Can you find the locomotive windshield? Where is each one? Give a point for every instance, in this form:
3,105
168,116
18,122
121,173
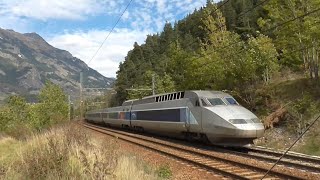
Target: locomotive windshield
216,101
231,101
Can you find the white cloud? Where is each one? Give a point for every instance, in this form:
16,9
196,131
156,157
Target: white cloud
125,15
55,9
84,44
17,24
161,11
141,18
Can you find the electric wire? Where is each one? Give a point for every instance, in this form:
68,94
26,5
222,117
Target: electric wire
251,9
291,146
243,13
223,4
109,32
218,7
293,19
269,29
243,49
280,25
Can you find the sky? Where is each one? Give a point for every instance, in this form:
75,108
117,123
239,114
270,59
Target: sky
80,26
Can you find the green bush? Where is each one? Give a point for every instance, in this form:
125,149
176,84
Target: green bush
19,119
301,112
164,171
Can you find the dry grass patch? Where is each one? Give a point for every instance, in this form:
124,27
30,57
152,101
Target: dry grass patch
133,168
69,153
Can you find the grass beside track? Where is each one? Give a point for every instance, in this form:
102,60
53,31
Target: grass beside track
69,153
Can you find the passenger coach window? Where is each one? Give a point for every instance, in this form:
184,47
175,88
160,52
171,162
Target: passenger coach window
216,101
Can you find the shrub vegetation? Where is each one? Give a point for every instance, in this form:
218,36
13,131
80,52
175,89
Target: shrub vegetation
66,152
19,119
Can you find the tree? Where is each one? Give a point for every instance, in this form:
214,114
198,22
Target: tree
162,85
264,56
53,105
298,39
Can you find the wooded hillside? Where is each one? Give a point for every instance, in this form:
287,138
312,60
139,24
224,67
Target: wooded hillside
235,45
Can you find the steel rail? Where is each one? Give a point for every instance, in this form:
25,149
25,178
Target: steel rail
291,156
271,157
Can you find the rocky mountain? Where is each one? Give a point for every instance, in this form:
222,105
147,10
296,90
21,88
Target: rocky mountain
27,61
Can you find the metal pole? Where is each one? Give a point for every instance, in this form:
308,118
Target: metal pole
153,92
69,114
81,99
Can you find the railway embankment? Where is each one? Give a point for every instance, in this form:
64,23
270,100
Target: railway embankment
220,162
67,152
287,108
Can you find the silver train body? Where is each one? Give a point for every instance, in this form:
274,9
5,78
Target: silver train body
211,115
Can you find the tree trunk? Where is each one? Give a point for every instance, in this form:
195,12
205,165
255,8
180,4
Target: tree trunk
305,63
316,65
309,63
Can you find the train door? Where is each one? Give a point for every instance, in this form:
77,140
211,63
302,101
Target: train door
195,116
130,115
187,116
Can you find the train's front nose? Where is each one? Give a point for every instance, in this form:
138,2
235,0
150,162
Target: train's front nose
249,129
246,124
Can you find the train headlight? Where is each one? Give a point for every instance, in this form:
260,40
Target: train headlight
237,121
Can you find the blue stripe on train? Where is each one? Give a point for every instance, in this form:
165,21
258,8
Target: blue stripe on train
166,115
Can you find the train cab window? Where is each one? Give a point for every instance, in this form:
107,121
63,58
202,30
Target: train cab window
216,101
204,103
231,101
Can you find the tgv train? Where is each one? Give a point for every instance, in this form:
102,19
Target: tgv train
207,115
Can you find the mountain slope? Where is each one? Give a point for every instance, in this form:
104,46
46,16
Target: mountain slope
27,61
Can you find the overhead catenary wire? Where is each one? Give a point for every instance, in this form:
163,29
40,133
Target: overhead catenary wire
291,146
272,28
242,14
218,7
251,9
243,49
279,25
110,32
293,19
223,4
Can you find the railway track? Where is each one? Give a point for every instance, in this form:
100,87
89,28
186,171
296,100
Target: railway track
301,162
224,166
292,159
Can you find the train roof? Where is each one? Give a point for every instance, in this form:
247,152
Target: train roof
175,96
210,93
